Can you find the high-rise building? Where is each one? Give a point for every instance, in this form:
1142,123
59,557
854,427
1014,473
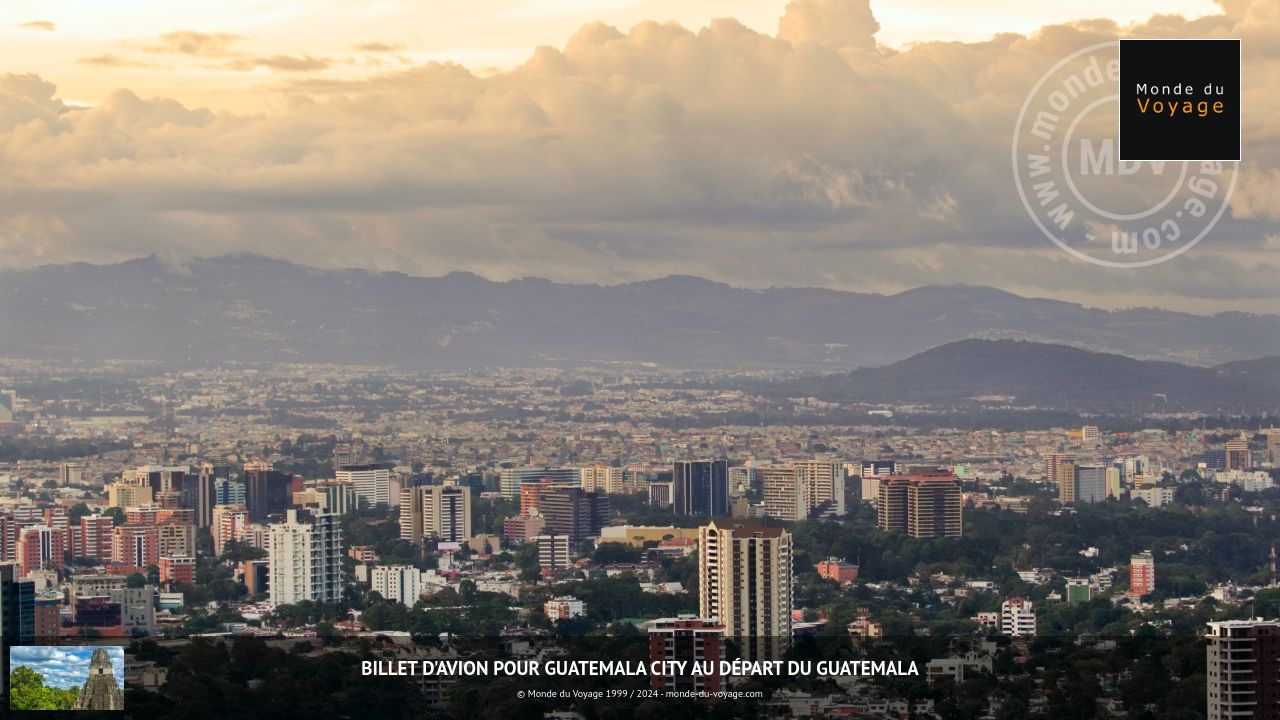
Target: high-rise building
442,512
206,495
160,478
601,478
267,491
925,504
1018,617
744,584
398,583
1242,672
178,569
175,539
661,494
329,496
40,546
785,494
305,557
1273,445
554,553
1091,483
1113,482
573,512
1238,454
1142,574
123,494
17,607
510,480
701,487
1090,435
802,490
371,482
135,546
1060,472
689,640
869,475
70,474
17,616
230,522
95,537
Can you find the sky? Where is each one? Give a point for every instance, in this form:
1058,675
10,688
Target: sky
64,667
836,143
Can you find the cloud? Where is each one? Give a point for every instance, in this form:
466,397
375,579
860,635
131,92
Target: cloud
108,60
44,25
832,23
379,47
283,63
188,42
809,157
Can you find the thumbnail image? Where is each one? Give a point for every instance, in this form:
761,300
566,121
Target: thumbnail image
66,678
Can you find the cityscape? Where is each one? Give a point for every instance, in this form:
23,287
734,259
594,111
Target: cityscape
635,359
302,504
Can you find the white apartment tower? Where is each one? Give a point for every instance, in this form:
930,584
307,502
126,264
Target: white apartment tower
305,559
744,584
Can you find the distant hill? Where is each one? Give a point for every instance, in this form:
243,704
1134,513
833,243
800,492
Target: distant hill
976,372
247,307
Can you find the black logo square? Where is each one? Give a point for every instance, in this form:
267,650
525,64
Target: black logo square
1179,99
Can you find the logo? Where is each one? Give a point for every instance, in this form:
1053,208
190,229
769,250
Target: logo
1082,196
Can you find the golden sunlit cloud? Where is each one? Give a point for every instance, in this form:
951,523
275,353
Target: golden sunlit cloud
804,153
44,25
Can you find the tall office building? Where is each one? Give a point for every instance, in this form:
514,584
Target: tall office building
744,584
1091,483
17,617
70,474
686,639
1142,574
329,496
17,607
1238,454
1242,672
510,480
701,487
162,479
1273,445
267,491
1060,472
305,559
442,512
371,481
398,583
601,479
573,512
206,481
925,504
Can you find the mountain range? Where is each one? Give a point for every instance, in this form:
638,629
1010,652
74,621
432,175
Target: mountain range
253,308
993,373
